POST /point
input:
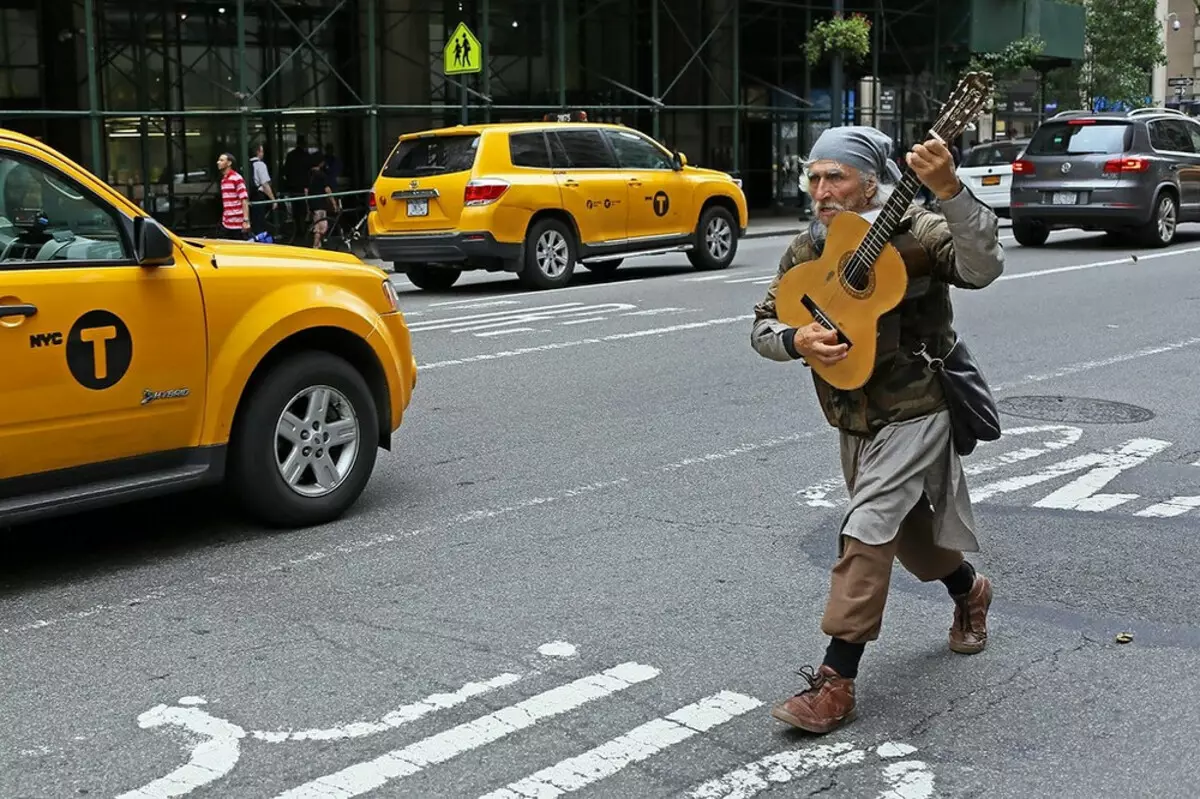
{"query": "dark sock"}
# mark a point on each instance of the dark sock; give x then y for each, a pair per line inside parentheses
(843, 656)
(959, 581)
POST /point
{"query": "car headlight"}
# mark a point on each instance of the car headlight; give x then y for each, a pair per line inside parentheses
(389, 292)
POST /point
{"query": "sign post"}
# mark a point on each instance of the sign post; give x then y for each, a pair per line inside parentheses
(463, 55)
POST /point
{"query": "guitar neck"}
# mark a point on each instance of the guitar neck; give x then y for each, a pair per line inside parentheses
(885, 225)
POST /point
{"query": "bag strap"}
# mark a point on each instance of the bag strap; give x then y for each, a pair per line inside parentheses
(932, 363)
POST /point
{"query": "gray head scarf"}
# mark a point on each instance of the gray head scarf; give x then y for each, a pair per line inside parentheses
(864, 148)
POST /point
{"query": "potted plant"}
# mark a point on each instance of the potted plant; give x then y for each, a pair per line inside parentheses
(848, 36)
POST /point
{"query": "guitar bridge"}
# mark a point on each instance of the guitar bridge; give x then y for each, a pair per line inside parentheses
(824, 320)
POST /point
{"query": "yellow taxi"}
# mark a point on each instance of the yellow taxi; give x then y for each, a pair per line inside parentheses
(538, 198)
(137, 362)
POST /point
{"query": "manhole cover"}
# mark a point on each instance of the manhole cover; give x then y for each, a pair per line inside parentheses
(1074, 409)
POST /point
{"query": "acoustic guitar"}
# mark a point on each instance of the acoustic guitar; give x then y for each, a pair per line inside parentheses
(860, 276)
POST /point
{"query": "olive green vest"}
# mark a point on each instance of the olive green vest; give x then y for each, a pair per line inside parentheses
(901, 387)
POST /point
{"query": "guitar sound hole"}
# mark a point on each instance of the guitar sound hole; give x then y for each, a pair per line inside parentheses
(855, 274)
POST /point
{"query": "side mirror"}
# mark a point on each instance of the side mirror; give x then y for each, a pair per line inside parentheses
(680, 161)
(152, 244)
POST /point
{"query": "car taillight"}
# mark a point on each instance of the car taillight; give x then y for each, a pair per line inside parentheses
(1022, 167)
(484, 192)
(371, 200)
(1081, 122)
(1120, 165)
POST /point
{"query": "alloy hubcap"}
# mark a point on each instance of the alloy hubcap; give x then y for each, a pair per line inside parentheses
(552, 253)
(316, 441)
(1166, 219)
(718, 238)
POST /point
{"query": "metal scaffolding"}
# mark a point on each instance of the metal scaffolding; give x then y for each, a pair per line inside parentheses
(169, 82)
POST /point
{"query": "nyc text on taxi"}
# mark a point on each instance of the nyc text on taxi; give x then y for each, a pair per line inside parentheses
(137, 362)
(538, 198)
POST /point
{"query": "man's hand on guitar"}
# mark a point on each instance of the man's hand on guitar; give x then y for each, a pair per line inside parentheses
(818, 343)
(934, 165)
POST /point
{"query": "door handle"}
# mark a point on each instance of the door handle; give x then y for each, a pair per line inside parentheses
(571, 183)
(634, 182)
(18, 310)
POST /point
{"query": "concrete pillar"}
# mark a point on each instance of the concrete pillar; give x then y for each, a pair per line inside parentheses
(1159, 80)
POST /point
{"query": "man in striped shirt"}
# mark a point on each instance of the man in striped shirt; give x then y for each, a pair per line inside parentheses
(235, 201)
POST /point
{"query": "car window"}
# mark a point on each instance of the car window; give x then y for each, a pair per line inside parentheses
(432, 155)
(46, 217)
(1194, 133)
(634, 152)
(1170, 134)
(529, 149)
(1081, 138)
(582, 149)
(991, 155)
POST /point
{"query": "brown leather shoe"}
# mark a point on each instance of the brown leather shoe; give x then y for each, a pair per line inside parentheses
(827, 703)
(968, 635)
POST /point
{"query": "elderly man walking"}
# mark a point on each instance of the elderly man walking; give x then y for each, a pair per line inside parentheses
(908, 492)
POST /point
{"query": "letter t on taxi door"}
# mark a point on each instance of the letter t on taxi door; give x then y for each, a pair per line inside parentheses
(99, 338)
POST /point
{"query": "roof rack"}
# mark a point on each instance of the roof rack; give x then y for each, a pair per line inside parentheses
(1139, 111)
(1065, 114)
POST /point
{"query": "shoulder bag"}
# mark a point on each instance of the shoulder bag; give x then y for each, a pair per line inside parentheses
(973, 413)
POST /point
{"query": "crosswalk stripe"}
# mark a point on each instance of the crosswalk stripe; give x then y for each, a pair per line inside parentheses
(1175, 506)
(754, 778)
(416, 757)
(638, 744)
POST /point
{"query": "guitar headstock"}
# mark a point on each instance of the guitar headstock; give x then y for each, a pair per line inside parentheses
(966, 103)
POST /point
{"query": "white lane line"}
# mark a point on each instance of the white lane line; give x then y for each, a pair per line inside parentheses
(640, 743)
(416, 757)
(755, 279)
(588, 321)
(405, 714)
(211, 759)
(563, 345)
(471, 305)
(1078, 496)
(1175, 506)
(503, 332)
(657, 311)
(544, 293)
(1129, 259)
(511, 313)
(910, 779)
(754, 778)
(1086, 366)
(704, 278)
(355, 546)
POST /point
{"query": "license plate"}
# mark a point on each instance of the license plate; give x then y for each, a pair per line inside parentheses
(1064, 198)
(418, 207)
(991, 180)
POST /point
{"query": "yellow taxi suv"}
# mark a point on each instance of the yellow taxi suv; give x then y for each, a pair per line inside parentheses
(138, 363)
(536, 199)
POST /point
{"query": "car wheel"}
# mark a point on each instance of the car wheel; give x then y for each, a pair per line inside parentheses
(432, 278)
(305, 442)
(550, 253)
(604, 268)
(716, 240)
(1160, 230)
(1030, 234)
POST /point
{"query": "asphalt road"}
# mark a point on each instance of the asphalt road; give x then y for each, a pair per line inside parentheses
(599, 553)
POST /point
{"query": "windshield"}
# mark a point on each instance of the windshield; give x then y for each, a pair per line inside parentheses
(992, 154)
(432, 155)
(1061, 138)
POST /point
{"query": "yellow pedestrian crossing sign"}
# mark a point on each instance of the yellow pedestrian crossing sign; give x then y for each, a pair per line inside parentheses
(462, 55)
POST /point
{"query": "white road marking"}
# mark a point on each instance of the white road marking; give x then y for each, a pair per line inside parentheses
(816, 496)
(558, 649)
(1175, 506)
(563, 345)
(211, 759)
(588, 321)
(416, 757)
(704, 278)
(1197, 463)
(756, 279)
(504, 332)
(1082, 492)
(1129, 259)
(1085, 366)
(657, 311)
(910, 779)
(471, 302)
(754, 778)
(405, 714)
(892, 749)
(543, 293)
(640, 743)
(1132, 452)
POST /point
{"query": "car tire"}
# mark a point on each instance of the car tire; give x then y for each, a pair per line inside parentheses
(1164, 222)
(550, 253)
(604, 268)
(716, 241)
(261, 447)
(432, 278)
(1030, 234)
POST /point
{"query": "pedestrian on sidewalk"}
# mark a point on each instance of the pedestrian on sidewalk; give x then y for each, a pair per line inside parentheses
(908, 491)
(235, 201)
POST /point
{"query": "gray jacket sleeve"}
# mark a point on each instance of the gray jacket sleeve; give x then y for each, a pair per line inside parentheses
(964, 241)
(771, 338)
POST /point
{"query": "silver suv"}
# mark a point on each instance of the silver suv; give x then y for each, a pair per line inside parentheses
(1133, 174)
